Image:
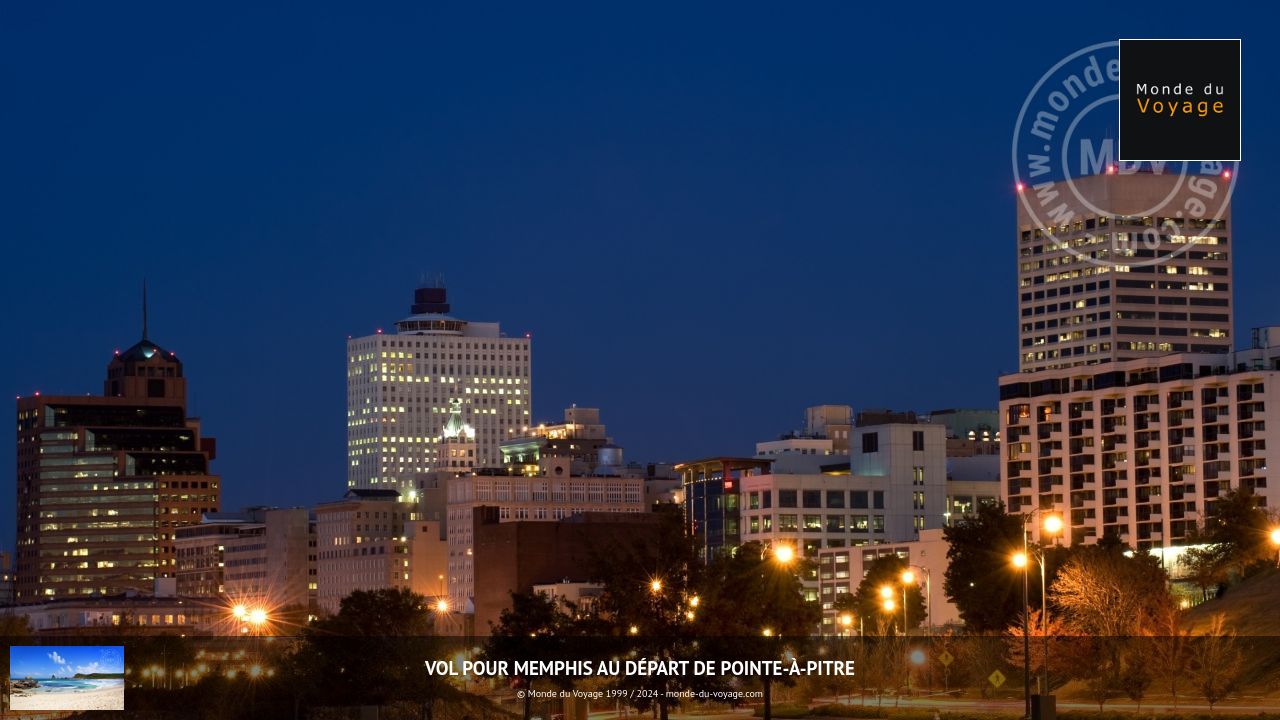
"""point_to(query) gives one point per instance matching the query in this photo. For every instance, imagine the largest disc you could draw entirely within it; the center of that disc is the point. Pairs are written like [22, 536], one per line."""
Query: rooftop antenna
[144, 309]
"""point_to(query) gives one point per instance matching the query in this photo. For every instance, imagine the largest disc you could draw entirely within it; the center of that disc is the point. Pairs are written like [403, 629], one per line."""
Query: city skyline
[739, 227]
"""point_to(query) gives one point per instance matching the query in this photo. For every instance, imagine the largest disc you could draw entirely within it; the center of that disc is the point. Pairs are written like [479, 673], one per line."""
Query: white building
[840, 571]
[402, 387]
[1141, 448]
[552, 495]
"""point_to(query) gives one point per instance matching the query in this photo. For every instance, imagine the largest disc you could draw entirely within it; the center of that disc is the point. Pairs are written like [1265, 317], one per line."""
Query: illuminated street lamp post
[886, 602]
[255, 618]
[1020, 562]
[909, 578]
[1052, 526]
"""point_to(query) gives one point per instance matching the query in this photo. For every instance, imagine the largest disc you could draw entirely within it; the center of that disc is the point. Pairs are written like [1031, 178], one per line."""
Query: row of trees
[659, 601]
[1234, 542]
[1112, 622]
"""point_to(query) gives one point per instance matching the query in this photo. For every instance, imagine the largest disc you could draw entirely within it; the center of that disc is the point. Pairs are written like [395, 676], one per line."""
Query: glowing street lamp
[1275, 540]
[784, 554]
[1052, 524]
[909, 577]
[655, 586]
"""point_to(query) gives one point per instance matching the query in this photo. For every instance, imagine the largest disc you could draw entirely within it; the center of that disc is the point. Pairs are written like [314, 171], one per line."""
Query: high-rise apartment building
[104, 482]
[1090, 288]
[403, 387]
[1141, 449]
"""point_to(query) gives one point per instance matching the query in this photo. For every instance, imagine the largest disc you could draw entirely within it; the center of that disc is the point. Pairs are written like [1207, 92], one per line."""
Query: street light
[784, 554]
[1275, 540]
[1019, 561]
[1053, 524]
[1052, 527]
[655, 586]
[909, 577]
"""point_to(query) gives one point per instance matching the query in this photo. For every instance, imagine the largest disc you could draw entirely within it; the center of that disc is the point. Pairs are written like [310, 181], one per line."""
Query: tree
[886, 571]
[533, 626]
[1135, 675]
[1207, 567]
[1105, 592]
[1062, 658]
[752, 596]
[651, 596]
[1237, 534]
[373, 649]
[987, 595]
[1170, 647]
[1102, 675]
[1217, 661]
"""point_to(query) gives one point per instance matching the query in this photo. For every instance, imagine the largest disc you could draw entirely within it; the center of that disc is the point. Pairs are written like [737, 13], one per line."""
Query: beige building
[372, 540]
[199, 551]
[260, 556]
[555, 493]
[1090, 288]
[125, 614]
[581, 437]
[274, 561]
[1140, 449]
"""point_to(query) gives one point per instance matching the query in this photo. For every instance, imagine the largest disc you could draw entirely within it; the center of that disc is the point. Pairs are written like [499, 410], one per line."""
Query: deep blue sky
[709, 217]
[65, 660]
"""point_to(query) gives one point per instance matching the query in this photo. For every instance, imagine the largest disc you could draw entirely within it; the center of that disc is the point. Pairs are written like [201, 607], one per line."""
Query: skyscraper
[1130, 283]
[103, 482]
[1132, 414]
[402, 389]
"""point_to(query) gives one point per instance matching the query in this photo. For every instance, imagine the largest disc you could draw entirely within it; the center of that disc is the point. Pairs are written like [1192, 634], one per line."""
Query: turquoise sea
[70, 685]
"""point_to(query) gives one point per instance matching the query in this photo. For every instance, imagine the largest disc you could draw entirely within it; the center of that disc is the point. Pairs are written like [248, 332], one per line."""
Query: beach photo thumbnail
[66, 677]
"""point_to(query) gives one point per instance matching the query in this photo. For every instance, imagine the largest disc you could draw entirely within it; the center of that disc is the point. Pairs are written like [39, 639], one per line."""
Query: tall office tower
[104, 482]
[402, 388]
[1088, 291]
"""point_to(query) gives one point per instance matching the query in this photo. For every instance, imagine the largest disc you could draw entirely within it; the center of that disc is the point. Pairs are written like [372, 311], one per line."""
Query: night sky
[707, 217]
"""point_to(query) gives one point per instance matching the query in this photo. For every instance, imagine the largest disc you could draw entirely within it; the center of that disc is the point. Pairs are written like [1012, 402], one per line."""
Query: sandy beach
[110, 698]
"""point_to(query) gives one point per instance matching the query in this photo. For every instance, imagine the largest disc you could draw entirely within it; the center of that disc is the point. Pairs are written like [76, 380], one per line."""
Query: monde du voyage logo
[1105, 110]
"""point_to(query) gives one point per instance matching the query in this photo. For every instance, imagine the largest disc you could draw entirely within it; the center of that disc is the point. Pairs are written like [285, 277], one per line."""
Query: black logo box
[1187, 68]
